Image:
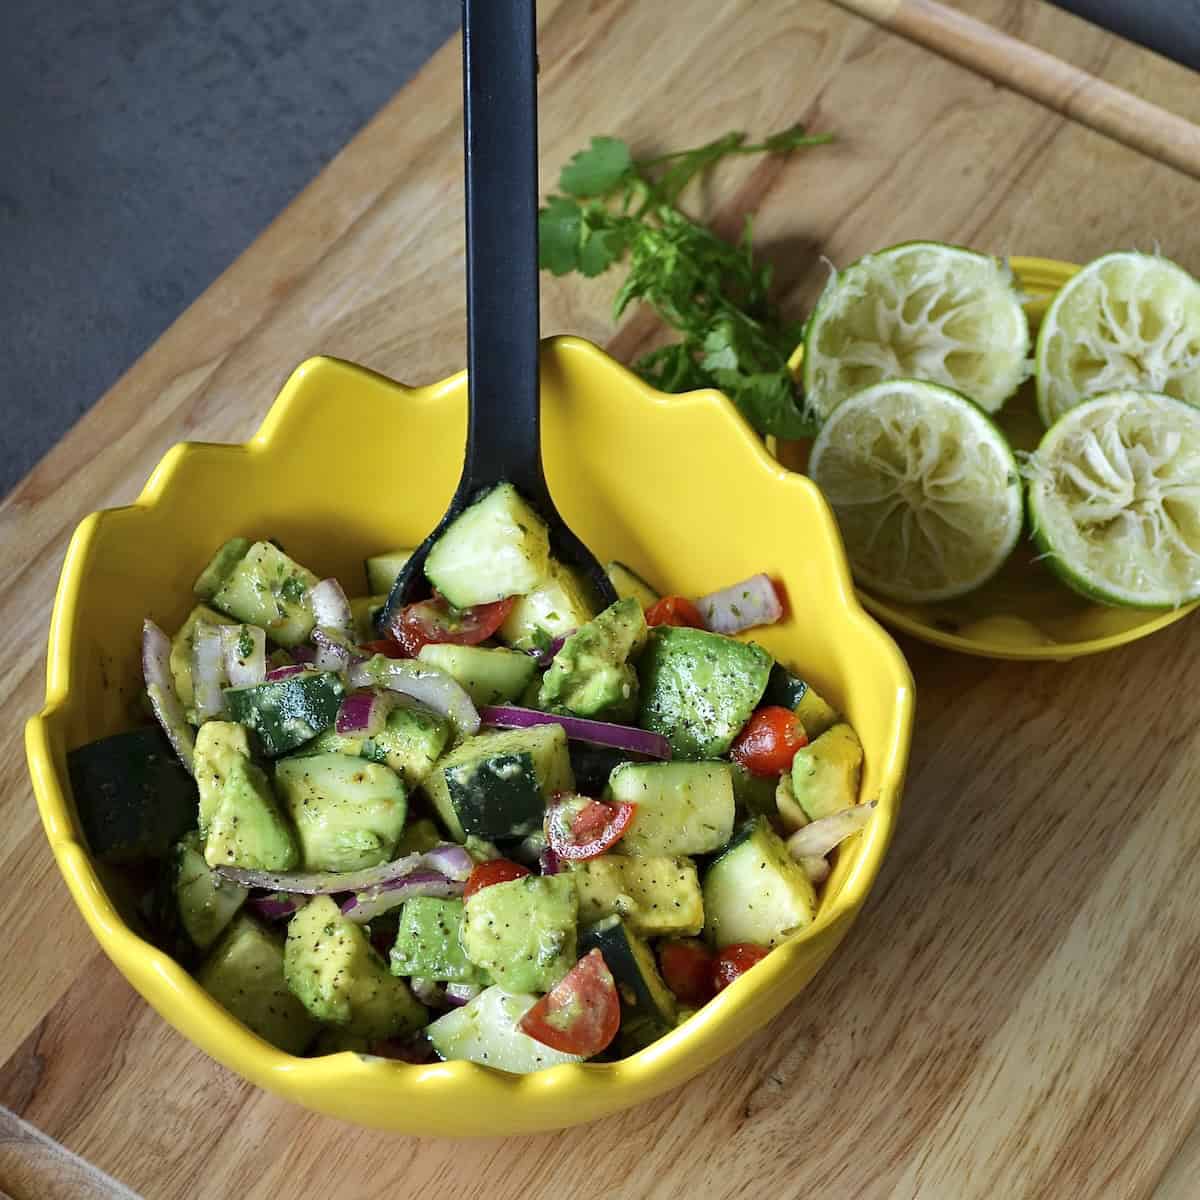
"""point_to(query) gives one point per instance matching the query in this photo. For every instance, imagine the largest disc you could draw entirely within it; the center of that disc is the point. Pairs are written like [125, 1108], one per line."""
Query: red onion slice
[276, 906]
[244, 653]
[449, 861]
[332, 651]
[423, 682]
[285, 672]
[546, 657]
[363, 714]
[208, 673]
[458, 994]
[160, 688]
[580, 729]
[331, 609]
[744, 605]
[303, 654]
[366, 905]
[819, 838]
[548, 861]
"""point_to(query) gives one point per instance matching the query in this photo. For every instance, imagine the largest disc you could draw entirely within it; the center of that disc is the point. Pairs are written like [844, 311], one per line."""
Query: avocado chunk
[488, 1031]
[348, 813]
[791, 815]
[591, 675]
[244, 974]
[239, 819]
[206, 902]
[648, 1007]
[825, 773]
[816, 714]
[679, 807]
[409, 743]
[133, 795]
[755, 892]
[497, 785]
[182, 646]
[555, 608]
[286, 713]
[418, 836]
[363, 611]
[523, 932]
[332, 968]
[428, 942]
[699, 688]
[657, 895]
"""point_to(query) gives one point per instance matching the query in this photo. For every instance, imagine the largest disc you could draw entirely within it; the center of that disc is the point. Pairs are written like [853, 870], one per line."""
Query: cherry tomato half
[591, 831]
[687, 969]
[582, 1014]
[433, 621]
[498, 870]
[736, 960]
[674, 610]
[769, 741]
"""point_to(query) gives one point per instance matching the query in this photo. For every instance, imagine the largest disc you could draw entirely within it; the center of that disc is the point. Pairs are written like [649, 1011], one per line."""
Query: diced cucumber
[753, 795]
[206, 902]
[220, 567]
[182, 646]
[382, 570]
[348, 814]
[497, 785]
[286, 713]
[657, 895]
[244, 974]
[699, 688]
[409, 743]
[555, 608]
[497, 547]
[592, 765]
[332, 968]
[679, 807]
[825, 773]
[268, 589]
[428, 942]
[134, 797]
[418, 836]
[784, 689]
[522, 933]
[240, 820]
[490, 675]
[487, 1031]
[647, 1004]
[755, 892]
[363, 611]
[627, 582]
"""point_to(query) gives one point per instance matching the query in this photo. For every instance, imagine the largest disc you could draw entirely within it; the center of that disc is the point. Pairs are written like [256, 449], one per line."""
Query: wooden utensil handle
[1107, 109]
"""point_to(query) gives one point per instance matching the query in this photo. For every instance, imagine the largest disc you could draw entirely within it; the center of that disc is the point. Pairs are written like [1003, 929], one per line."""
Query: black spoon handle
[500, 102]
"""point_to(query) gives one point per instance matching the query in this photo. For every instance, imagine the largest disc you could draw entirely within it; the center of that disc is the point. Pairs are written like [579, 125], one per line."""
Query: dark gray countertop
[146, 143]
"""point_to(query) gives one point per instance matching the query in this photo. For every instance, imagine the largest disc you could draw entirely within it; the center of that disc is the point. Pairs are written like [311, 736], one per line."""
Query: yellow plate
[1025, 612]
[348, 464]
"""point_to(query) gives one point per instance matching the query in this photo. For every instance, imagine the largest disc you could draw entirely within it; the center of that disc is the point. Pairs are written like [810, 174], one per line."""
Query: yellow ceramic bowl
[1025, 612]
[347, 464]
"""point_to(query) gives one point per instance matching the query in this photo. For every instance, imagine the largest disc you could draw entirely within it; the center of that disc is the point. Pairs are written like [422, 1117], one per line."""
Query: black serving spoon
[503, 425]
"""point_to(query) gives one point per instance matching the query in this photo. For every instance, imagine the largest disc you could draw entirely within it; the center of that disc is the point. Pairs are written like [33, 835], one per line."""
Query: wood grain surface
[1017, 1012]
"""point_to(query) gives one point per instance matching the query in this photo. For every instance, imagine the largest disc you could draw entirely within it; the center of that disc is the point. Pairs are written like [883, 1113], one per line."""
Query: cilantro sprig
[612, 207]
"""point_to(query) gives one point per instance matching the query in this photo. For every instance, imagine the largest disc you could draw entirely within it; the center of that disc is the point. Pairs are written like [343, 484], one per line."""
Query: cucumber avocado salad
[494, 825]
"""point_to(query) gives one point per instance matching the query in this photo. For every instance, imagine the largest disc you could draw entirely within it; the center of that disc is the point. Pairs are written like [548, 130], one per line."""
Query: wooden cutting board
[1017, 1012]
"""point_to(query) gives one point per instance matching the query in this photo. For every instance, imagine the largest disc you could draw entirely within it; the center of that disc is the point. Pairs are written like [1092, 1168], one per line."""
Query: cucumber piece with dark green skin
[698, 689]
[206, 901]
[134, 797]
[287, 712]
[497, 785]
[647, 1005]
[593, 765]
[784, 689]
[220, 567]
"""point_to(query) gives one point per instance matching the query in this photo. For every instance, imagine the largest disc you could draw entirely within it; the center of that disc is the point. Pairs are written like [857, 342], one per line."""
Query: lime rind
[921, 310]
[1114, 499]
[925, 487]
[1126, 321]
